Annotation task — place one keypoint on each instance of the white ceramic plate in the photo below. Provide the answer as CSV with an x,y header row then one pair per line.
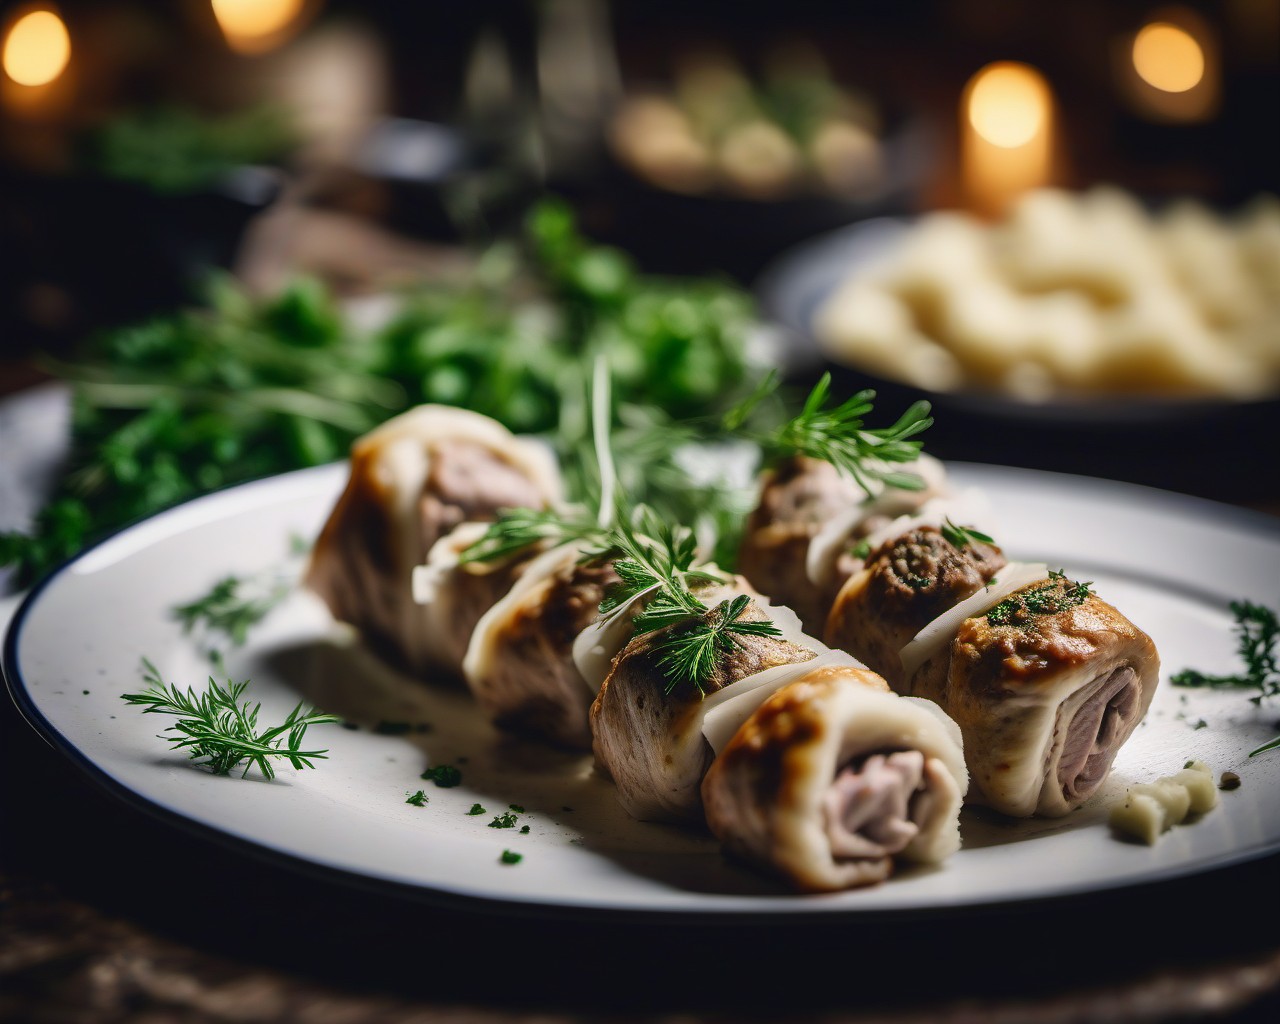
x,y
1170,563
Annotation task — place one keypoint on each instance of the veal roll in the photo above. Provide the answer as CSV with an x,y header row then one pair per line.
x,y
834,778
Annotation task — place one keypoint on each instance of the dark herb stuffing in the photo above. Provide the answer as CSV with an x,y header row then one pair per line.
x,y
1057,595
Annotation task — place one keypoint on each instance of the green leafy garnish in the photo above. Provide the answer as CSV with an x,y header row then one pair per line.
x,y
861,549
1257,631
504,820
418,799
690,655
233,606
476,809
1057,595
446,776
511,857
962,536
175,149
219,731
839,437
517,529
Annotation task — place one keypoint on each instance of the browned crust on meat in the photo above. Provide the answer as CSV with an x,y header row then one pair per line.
x,y
906,584
536,688
996,662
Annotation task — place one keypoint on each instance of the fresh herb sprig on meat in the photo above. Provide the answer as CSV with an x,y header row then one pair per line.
x,y
962,536
220,731
838,435
1257,631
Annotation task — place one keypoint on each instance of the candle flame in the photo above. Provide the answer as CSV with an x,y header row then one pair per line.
x,y
1168,57
37,48
1008,103
254,26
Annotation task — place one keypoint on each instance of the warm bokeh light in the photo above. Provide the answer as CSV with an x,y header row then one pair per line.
x,y
37,49
252,26
1168,57
1007,135
1008,103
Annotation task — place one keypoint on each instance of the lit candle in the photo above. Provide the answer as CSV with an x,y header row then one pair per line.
x,y
256,26
1168,69
1006,134
35,55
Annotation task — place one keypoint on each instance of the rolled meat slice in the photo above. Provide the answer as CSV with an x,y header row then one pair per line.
x,y
519,663
647,730
907,582
1046,687
835,777
414,480
455,595
798,500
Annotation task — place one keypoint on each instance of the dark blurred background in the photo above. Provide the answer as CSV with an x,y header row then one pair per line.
x,y
379,145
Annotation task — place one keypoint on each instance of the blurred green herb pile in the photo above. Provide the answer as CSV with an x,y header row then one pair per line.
x,y
174,149
245,388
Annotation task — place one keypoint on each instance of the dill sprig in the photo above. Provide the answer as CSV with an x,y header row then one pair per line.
x,y
961,537
837,435
690,656
218,730
1257,631
660,561
233,606
516,529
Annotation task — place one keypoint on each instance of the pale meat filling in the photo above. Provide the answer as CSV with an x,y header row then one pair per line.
x,y
1094,731
876,805
469,481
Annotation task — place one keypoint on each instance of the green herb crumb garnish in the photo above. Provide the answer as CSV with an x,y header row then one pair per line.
x,y
861,549
505,820
517,808
443,775
1057,595
418,799
511,857
524,830
476,809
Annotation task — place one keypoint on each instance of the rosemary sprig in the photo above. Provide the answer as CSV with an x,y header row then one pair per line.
x,y
961,537
838,436
1257,631
219,731
689,656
